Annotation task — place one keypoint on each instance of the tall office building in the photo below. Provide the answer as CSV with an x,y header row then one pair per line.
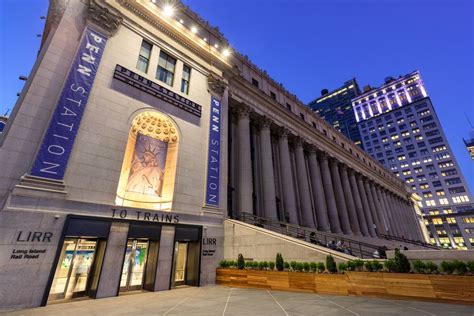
x,y
336,108
3,122
400,128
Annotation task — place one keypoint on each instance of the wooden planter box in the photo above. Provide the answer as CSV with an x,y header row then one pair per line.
x,y
446,288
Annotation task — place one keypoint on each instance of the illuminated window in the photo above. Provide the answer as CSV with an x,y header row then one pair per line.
x,y
144,56
418,169
149,165
468,220
166,67
443,201
437,221
447,211
185,79
451,220
394,137
440,193
430,203
427,194
410,180
406,172
424,186
460,199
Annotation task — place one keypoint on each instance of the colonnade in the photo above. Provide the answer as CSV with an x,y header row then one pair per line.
x,y
282,176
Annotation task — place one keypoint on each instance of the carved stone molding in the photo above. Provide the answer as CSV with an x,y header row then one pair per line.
x,y
103,17
264,122
216,85
243,111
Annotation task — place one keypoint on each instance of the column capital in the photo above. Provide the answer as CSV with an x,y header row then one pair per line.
x,y
282,132
216,85
243,111
264,122
298,141
103,17
310,148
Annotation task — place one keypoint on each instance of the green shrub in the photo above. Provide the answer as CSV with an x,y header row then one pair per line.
x,y
248,265
342,266
431,267
368,266
261,265
447,267
223,264
293,265
279,263
376,266
359,264
470,266
351,265
331,264
306,266
459,267
299,266
390,265
240,261
419,266
402,265
231,263
287,265
313,266
271,265
255,264
321,267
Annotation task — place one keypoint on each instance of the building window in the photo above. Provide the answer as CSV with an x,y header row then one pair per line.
x,y
302,116
144,56
273,95
185,79
166,67
255,82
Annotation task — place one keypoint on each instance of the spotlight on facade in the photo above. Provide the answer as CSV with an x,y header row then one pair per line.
x,y
205,39
181,21
216,45
226,52
168,10
194,29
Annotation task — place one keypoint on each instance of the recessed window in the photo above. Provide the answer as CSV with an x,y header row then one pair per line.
x,y
255,82
166,67
273,95
144,56
185,79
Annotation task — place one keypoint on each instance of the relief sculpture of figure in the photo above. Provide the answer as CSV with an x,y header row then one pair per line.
x,y
148,166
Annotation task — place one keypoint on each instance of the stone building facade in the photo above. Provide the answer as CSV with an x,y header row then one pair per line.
x,y
137,133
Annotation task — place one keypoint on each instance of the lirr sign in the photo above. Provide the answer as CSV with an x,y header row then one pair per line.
x,y
53,156
213,154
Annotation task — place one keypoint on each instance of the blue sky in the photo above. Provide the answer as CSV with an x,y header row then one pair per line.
x,y
309,45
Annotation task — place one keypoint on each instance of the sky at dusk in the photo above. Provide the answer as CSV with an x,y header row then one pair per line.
x,y
308,45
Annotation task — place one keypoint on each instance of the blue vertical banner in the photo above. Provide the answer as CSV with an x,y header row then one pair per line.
x,y
52,158
213,154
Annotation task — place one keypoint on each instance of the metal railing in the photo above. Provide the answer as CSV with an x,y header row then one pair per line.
x,y
410,241
323,239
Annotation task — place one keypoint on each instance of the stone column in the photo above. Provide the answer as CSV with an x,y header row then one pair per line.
x,y
373,208
402,217
303,185
245,161
268,178
383,209
358,204
329,194
416,224
289,201
318,191
366,206
378,208
351,209
340,201
394,229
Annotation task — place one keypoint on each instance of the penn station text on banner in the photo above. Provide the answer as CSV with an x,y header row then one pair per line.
x,y
213,157
53,156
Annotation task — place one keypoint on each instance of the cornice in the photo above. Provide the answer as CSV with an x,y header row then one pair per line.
x,y
138,10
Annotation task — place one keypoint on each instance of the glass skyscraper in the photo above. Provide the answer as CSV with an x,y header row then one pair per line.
x,y
399,127
336,108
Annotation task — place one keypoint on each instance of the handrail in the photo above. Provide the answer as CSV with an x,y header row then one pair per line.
x,y
410,241
324,239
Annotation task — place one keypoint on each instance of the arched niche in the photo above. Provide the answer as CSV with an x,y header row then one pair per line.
x,y
149,165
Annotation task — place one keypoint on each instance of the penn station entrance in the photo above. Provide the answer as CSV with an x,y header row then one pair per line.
x,y
119,256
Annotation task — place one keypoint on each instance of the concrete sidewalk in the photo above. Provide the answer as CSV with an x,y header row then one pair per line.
x,y
220,300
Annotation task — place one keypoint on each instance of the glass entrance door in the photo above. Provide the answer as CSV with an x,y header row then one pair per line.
x,y
134,264
180,259
71,278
